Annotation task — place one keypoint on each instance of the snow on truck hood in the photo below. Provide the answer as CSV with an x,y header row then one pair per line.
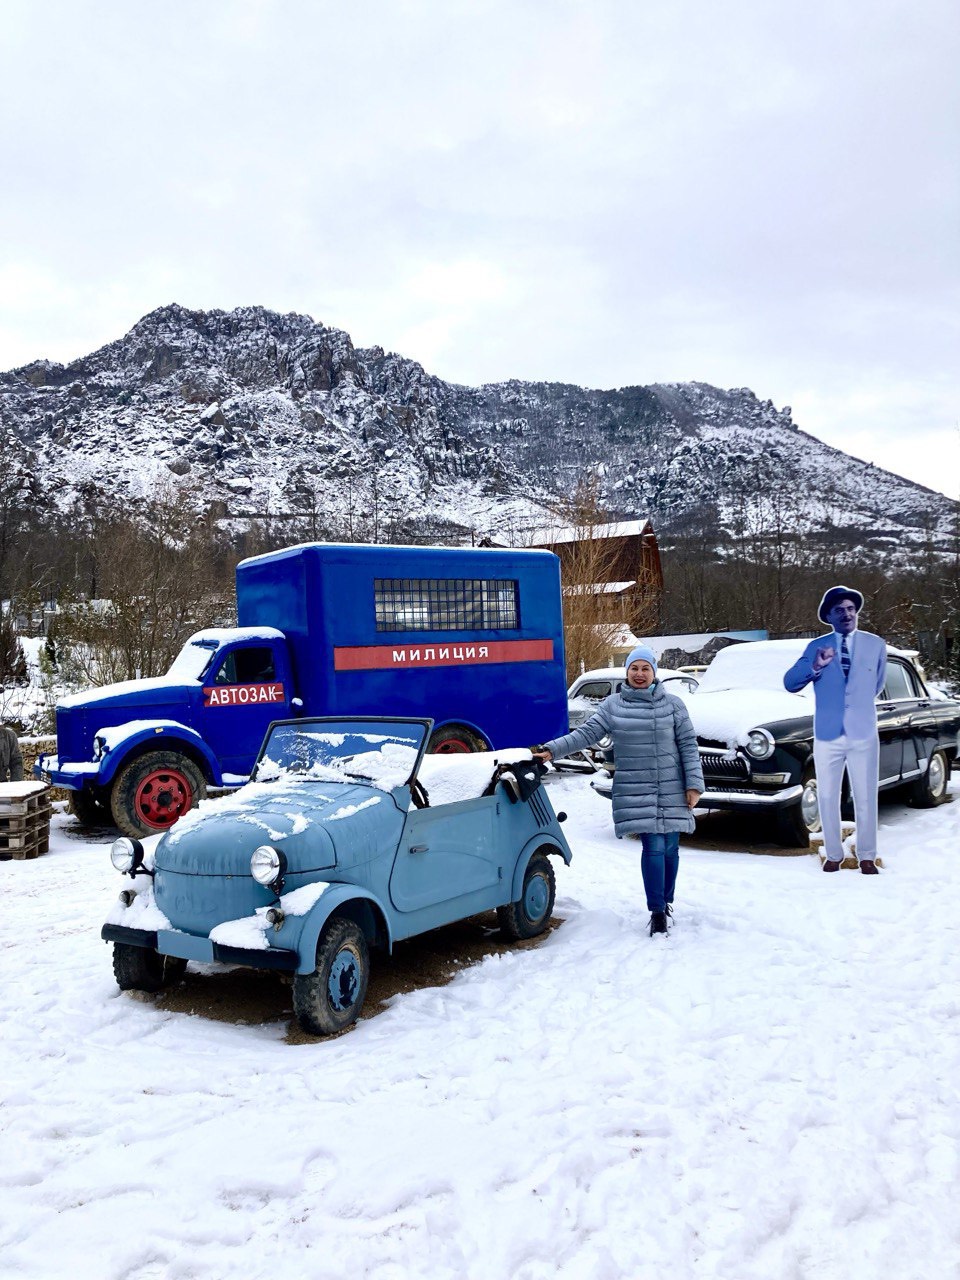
x,y
122,691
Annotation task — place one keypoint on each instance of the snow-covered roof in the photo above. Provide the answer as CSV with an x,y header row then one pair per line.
x,y
582,533
597,588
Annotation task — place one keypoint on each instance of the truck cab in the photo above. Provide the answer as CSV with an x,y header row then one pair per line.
x,y
143,752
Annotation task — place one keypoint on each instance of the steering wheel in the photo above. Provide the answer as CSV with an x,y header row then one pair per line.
x,y
418,795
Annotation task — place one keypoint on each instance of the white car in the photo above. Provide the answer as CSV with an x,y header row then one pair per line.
x,y
589,690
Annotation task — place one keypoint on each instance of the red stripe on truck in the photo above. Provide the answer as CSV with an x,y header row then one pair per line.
x,y
378,657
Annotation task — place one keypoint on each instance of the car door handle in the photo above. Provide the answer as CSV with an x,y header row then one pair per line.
x,y
419,848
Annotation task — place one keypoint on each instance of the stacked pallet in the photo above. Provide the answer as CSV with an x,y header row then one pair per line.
x,y
24,820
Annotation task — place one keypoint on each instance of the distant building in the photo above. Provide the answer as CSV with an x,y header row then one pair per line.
x,y
616,565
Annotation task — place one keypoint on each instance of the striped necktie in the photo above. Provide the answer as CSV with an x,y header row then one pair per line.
x,y
844,657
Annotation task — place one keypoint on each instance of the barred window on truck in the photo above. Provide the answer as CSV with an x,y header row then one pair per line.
x,y
446,604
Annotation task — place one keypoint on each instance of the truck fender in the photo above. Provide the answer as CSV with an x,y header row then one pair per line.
x,y
161,735
349,900
542,840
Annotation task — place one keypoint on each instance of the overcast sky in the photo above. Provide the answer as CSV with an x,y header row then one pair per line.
x,y
739,192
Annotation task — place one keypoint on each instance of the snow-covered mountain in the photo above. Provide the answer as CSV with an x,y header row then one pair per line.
x,y
276,414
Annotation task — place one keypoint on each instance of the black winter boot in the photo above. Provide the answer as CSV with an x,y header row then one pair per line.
x,y
658,922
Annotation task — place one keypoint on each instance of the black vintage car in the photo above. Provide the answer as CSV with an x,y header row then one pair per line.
x,y
756,739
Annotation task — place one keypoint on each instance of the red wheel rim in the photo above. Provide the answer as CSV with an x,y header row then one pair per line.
x,y
450,746
162,797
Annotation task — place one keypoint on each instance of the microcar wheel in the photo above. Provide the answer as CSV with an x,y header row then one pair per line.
x,y
330,999
798,822
454,739
531,914
141,969
153,791
931,789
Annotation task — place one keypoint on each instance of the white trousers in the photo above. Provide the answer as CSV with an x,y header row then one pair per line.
x,y
862,763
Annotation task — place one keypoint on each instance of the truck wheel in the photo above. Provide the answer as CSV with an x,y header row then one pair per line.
x,y
90,808
142,969
453,739
531,914
330,999
153,791
931,789
798,822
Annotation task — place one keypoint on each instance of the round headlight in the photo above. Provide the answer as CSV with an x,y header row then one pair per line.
x,y
122,853
265,864
760,744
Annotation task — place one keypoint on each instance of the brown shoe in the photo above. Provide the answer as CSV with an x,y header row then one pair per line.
x,y
869,867
831,866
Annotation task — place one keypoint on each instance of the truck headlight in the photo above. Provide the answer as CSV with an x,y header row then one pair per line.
x,y
760,744
267,864
126,854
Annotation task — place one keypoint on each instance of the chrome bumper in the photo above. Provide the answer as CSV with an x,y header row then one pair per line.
x,y
725,799
737,799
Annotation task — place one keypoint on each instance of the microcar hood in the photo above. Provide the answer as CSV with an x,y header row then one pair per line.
x,y
317,826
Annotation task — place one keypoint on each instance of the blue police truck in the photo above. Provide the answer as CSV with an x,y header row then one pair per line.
x,y
470,638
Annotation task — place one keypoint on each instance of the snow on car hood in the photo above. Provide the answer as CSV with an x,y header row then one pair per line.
x,y
729,714
315,824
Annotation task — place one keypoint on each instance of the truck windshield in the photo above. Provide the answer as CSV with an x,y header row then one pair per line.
x,y
192,660
382,753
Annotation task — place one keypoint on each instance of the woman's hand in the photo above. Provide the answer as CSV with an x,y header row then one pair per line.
x,y
542,754
692,798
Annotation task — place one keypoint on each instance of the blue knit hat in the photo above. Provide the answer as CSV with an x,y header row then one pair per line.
x,y
645,653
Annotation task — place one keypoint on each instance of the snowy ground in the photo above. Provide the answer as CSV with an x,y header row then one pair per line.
x,y
772,1091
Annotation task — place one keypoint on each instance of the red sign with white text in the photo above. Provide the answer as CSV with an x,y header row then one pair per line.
x,y
242,695
401,657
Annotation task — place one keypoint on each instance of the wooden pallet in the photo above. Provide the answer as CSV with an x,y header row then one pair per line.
x,y
24,820
26,847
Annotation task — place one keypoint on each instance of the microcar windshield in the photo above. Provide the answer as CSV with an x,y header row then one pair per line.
x,y
382,752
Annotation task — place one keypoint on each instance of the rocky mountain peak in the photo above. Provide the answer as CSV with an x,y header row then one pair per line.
x,y
270,413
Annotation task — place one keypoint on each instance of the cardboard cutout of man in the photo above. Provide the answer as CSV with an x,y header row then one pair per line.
x,y
848,668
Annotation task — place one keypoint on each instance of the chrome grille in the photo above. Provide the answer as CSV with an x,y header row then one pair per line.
x,y
718,766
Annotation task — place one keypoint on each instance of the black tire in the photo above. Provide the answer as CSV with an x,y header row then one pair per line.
x,y
330,999
531,914
154,790
454,739
796,823
142,969
930,789
90,809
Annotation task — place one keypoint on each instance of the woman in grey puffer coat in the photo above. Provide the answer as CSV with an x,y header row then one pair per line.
x,y
658,780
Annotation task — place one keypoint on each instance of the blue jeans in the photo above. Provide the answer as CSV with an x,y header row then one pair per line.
x,y
659,863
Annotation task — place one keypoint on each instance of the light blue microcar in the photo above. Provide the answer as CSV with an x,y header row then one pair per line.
x,y
348,838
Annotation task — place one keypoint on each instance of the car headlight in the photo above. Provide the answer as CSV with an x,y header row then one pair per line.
x,y
267,864
760,744
126,854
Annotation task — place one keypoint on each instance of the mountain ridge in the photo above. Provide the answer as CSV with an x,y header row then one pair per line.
x,y
278,413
